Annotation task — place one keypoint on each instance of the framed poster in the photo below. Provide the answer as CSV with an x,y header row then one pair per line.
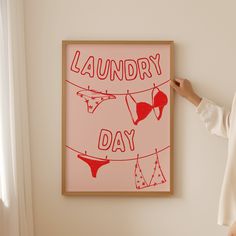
x,y
117,117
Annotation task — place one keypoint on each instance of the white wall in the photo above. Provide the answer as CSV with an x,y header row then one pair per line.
x,y
205,36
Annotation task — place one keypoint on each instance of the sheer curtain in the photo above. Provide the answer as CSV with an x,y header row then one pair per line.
x,y
16,217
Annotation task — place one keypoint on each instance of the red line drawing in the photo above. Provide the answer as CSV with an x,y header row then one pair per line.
x,y
116,71
94,165
157,175
140,181
103,75
120,94
159,101
110,159
93,98
130,68
105,139
130,138
156,61
144,68
118,143
140,110
88,67
74,66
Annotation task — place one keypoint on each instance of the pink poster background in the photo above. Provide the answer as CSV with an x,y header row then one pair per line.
x,y
83,128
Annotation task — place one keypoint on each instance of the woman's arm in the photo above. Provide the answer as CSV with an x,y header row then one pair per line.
x,y
184,88
216,118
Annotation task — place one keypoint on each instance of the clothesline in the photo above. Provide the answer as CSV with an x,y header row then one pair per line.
x,y
119,94
128,159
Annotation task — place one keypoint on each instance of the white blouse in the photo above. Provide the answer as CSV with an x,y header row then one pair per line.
x,y
221,122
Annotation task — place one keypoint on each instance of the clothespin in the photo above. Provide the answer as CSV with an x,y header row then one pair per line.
x,y
155,86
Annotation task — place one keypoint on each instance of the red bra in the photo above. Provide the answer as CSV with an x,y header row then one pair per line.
x,y
140,110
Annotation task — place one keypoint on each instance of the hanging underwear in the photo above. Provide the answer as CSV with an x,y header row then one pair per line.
x,y
94,164
140,110
93,98
156,178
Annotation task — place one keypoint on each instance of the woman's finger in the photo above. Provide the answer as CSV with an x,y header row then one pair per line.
x,y
179,80
174,85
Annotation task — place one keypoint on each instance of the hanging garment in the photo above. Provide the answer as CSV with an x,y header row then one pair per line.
x,y
140,110
93,98
94,164
157,176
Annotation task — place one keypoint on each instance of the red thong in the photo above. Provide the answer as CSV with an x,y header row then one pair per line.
x,y
157,175
140,110
94,165
93,98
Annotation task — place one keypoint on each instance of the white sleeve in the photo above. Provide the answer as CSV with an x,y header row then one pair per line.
x,y
216,118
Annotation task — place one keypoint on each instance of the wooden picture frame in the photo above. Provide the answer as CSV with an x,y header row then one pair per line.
x,y
78,64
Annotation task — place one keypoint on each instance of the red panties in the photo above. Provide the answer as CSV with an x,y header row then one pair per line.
x,y
93,98
94,164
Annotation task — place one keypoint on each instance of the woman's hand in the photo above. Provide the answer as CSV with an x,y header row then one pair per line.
x,y
232,229
184,88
